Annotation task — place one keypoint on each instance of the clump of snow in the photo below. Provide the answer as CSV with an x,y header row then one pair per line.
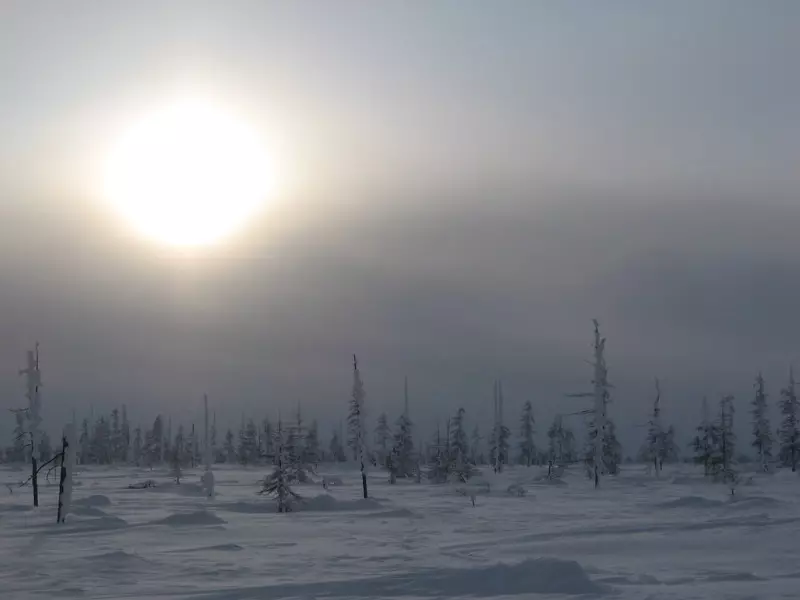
x,y
328,503
200,517
93,501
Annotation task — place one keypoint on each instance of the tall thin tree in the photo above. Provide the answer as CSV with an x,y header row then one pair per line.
x,y
355,421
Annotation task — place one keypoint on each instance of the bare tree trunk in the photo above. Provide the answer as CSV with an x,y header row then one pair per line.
x,y
34,480
363,479
62,479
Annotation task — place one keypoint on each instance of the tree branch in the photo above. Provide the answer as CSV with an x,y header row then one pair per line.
x,y
57,456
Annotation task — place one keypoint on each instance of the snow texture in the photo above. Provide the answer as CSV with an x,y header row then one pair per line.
x,y
674,538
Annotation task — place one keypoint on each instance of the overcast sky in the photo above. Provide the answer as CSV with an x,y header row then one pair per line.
x,y
470,183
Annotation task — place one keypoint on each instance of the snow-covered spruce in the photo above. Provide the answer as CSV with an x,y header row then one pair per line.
x,y
602,449
277,484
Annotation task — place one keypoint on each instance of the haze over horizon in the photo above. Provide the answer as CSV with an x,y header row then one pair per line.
x,y
463,189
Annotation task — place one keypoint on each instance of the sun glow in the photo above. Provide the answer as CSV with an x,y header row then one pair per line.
x,y
188,174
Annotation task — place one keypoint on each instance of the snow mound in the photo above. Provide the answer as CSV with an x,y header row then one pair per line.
x,y
88,511
749,502
93,501
690,502
215,548
249,508
327,503
200,517
15,508
400,513
117,559
532,576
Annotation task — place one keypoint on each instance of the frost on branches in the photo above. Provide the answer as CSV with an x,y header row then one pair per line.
x,y
276,484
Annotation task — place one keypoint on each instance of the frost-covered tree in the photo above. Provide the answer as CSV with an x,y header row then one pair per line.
x,y
20,436
705,441
155,441
137,445
561,443
248,444
500,436
789,435
177,458
213,439
527,447
383,437
45,448
277,484
85,443
178,450
268,445
228,449
655,434
297,434
475,446
115,436
404,463
355,422
125,442
598,446
727,442
101,441
336,448
762,432
459,444
311,452
33,378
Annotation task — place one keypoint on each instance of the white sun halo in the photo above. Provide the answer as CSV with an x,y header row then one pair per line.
x,y
188,174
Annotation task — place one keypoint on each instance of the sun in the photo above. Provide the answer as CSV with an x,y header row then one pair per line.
x,y
188,174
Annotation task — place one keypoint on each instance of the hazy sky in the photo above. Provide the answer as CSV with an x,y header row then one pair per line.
x,y
467,184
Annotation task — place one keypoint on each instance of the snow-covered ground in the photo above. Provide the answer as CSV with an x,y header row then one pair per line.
x,y
637,537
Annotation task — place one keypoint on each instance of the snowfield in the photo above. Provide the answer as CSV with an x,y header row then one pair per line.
x,y
637,537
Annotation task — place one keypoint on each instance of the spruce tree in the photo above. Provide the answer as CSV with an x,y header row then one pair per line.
x,y
277,484
705,441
